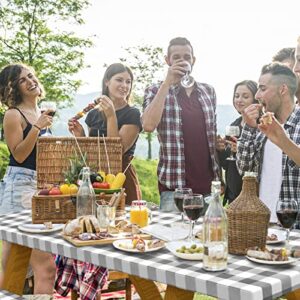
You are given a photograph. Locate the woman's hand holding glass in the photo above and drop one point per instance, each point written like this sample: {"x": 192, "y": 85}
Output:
{"x": 48, "y": 108}
{"x": 232, "y": 133}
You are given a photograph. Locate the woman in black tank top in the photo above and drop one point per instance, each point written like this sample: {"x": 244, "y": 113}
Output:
{"x": 20, "y": 91}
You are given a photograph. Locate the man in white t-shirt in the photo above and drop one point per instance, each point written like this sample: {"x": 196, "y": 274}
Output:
{"x": 278, "y": 175}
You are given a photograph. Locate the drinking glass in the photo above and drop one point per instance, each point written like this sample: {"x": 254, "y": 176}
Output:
{"x": 178, "y": 199}
{"x": 193, "y": 206}
{"x": 51, "y": 106}
{"x": 230, "y": 132}
{"x": 287, "y": 211}
{"x": 187, "y": 80}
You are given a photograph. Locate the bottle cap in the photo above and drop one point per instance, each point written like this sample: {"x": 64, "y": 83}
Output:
{"x": 138, "y": 203}
{"x": 216, "y": 187}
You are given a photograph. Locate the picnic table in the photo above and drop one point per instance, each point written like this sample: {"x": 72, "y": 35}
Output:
{"x": 243, "y": 279}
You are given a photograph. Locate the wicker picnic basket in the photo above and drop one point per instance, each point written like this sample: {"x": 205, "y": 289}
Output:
{"x": 52, "y": 159}
{"x": 248, "y": 219}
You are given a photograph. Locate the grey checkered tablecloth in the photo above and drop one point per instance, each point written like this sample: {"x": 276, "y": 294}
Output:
{"x": 242, "y": 280}
{"x": 5, "y": 295}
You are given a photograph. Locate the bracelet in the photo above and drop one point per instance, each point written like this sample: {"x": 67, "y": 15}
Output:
{"x": 37, "y": 127}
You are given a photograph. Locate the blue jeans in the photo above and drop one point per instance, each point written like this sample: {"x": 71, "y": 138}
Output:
{"x": 16, "y": 189}
{"x": 167, "y": 203}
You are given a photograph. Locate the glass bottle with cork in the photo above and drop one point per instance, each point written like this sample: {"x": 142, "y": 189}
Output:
{"x": 85, "y": 204}
{"x": 215, "y": 234}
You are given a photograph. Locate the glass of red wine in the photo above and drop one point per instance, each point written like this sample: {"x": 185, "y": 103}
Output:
{"x": 178, "y": 199}
{"x": 231, "y": 132}
{"x": 51, "y": 107}
{"x": 193, "y": 206}
{"x": 287, "y": 211}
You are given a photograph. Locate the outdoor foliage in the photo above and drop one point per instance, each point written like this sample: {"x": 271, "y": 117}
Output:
{"x": 146, "y": 170}
{"x": 147, "y": 64}
{"x": 4, "y": 157}
{"x": 31, "y": 31}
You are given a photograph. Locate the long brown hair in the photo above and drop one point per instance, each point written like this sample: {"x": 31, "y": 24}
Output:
{"x": 9, "y": 90}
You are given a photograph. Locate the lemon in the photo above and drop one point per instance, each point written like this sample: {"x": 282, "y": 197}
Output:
{"x": 65, "y": 189}
{"x": 73, "y": 189}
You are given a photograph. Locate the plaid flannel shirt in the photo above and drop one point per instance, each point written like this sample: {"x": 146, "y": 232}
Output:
{"x": 171, "y": 166}
{"x": 85, "y": 278}
{"x": 250, "y": 157}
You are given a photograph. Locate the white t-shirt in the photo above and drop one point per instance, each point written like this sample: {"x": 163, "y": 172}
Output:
{"x": 271, "y": 178}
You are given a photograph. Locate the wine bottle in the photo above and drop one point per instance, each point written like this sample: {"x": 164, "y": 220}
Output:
{"x": 86, "y": 197}
{"x": 215, "y": 234}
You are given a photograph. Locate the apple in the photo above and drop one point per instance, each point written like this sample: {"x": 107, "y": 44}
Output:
{"x": 55, "y": 191}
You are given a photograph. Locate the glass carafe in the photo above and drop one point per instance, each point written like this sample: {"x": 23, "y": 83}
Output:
{"x": 86, "y": 197}
{"x": 215, "y": 234}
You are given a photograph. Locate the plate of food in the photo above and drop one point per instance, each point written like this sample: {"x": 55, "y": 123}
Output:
{"x": 275, "y": 236}
{"x": 138, "y": 245}
{"x": 106, "y": 191}
{"x": 186, "y": 250}
{"x": 40, "y": 228}
{"x": 270, "y": 257}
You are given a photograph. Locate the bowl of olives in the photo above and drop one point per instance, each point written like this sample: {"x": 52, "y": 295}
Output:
{"x": 186, "y": 250}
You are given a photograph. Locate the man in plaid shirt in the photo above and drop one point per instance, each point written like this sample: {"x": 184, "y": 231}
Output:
{"x": 185, "y": 120}
{"x": 278, "y": 175}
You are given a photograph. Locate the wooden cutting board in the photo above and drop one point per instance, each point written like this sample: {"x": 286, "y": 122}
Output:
{"x": 79, "y": 243}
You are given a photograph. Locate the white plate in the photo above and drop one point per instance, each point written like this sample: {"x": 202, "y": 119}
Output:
{"x": 281, "y": 235}
{"x": 39, "y": 228}
{"x": 129, "y": 242}
{"x": 173, "y": 246}
{"x": 271, "y": 262}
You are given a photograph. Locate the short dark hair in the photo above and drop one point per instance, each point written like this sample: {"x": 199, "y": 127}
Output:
{"x": 113, "y": 70}
{"x": 282, "y": 75}
{"x": 9, "y": 90}
{"x": 179, "y": 41}
{"x": 283, "y": 54}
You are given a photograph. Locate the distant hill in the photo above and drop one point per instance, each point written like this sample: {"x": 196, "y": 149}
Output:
{"x": 225, "y": 115}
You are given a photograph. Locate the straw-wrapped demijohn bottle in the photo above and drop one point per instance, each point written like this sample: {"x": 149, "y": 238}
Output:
{"x": 248, "y": 218}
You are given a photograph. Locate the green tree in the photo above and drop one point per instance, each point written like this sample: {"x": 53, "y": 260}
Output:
{"x": 30, "y": 32}
{"x": 146, "y": 62}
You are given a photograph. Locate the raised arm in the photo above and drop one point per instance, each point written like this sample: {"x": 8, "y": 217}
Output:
{"x": 276, "y": 134}
{"x": 154, "y": 103}
{"x": 21, "y": 148}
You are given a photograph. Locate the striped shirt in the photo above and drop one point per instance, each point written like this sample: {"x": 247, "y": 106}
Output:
{"x": 171, "y": 166}
{"x": 250, "y": 157}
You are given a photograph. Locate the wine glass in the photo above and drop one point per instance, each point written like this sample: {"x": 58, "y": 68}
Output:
{"x": 193, "y": 206}
{"x": 51, "y": 106}
{"x": 187, "y": 81}
{"x": 287, "y": 211}
{"x": 230, "y": 132}
{"x": 178, "y": 199}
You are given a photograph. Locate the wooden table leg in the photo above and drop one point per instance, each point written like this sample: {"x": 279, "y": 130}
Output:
{"x": 146, "y": 289}
{"x": 16, "y": 269}
{"x": 173, "y": 292}
{"x": 295, "y": 295}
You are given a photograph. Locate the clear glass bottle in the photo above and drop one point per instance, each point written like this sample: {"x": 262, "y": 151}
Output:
{"x": 86, "y": 197}
{"x": 215, "y": 233}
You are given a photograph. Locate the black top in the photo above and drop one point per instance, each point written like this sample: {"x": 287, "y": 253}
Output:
{"x": 127, "y": 115}
{"x": 30, "y": 161}
{"x": 232, "y": 176}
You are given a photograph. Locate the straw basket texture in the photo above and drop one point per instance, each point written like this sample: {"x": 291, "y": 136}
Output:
{"x": 248, "y": 219}
{"x": 53, "y": 155}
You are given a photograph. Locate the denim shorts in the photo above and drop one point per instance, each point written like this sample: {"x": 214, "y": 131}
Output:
{"x": 16, "y": 189}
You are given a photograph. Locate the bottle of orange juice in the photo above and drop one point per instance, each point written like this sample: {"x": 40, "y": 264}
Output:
{"x": 139, "y": 213}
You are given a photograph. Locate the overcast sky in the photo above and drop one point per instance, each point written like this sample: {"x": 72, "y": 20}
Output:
{"x": 232, "y": 39}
